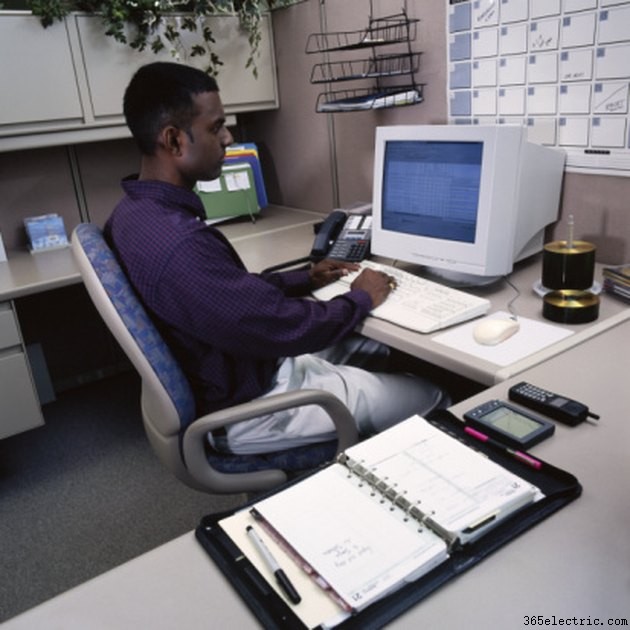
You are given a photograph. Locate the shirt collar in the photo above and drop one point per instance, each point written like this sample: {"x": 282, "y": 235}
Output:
{"x": 165, "y": 193}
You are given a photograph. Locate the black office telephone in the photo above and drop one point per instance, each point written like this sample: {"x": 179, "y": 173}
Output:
{"x": 343, "y": 236}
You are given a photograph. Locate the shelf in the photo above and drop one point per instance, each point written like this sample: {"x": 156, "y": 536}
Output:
{"x": 392, "y": 74}
{"x": 393, "y": 29}
{"x": 374, "y": 67}
{"x": 362, "y": 99}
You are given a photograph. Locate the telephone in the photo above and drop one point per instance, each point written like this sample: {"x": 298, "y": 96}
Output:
{"x": 343, "y": 236}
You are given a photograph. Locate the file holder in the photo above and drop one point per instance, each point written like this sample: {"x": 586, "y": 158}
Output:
{"x": 233, "y": 194}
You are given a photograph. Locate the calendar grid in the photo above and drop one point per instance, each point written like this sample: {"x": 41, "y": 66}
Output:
{"x": 559, "y": 67}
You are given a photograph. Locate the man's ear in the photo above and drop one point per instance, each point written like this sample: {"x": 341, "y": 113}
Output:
{"x": 170, "y": 140}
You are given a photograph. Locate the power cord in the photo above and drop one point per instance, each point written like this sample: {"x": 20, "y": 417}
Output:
{"x": 517, "y": 291}
{"x": 288, "y": 263}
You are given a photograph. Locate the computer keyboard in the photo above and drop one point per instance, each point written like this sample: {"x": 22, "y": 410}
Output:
{"x": 418, "y": 304}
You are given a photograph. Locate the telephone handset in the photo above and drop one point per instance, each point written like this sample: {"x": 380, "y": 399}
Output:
{"x": 343, "y": 237}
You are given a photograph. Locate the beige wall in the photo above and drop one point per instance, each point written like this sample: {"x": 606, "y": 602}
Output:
{"x": 297, "y": 138}
{"x": 312, "y": 161}
{"x": 81, "y": 183}
{"x": 34, "y": 183}
{"x": 314, "y": 154}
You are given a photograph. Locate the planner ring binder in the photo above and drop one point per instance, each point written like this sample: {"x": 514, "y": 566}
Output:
{"x": 397, "y": 499}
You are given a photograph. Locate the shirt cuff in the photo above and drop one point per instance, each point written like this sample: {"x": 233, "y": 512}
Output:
{"x": 361, "y": 298}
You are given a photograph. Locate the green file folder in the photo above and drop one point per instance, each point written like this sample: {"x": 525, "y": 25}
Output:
{"x": 233, "y": 194}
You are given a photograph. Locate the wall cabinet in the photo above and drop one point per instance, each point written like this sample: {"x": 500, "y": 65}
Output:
{"x": 65, "y": 83}
{"x": 19, "y": 409}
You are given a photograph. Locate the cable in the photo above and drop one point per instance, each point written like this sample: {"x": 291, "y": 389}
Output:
{"x": 288, "y": 263}
{"x": 511, "y": 302}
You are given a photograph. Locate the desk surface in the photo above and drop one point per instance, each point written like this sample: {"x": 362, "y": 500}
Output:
{"x": 528, "y": 304}
{"x": 575, "y": 564}
{"x": 24, "y": 273}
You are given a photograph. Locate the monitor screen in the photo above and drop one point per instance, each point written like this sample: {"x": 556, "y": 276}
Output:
{"x": 432, "y": 188}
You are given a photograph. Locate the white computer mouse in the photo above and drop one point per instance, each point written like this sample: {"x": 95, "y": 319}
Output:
{"x": 490, "y": 332}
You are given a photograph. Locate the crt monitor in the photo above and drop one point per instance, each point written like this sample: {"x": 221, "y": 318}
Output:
{"x": 466, "y": 201}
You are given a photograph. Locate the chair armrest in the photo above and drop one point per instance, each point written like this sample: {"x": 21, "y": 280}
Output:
{"x": 194, "y": 440}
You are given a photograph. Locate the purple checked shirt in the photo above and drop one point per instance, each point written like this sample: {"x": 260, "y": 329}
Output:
{"x": 227, "y": 327}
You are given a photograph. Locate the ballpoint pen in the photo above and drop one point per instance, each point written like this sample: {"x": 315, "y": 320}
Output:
{"x": 272, "y": 563}
{"x": 523, "y": 457}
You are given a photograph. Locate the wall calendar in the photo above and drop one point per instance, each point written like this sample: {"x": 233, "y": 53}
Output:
{"x": 560, "y": 67}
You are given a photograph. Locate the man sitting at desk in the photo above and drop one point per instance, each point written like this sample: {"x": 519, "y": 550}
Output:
{"x": 239, "y": 335}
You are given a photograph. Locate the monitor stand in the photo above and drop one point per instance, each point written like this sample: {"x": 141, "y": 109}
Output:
{"x": 459, "y": 279}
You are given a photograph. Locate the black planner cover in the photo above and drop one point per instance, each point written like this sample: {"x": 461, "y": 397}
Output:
{"x": 558, "y": 486}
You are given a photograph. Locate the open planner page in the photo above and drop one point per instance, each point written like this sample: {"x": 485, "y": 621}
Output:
{"x": 351, "y": 543}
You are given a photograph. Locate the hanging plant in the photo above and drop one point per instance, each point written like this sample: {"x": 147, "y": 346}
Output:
{"x": 161, "y": 24}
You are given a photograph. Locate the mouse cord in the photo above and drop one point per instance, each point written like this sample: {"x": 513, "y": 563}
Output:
{"x": 510, "y": 306}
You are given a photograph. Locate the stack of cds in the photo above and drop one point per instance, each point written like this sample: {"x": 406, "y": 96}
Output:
{"x": 617, "y": 281}
{"x": 568, "y": 269}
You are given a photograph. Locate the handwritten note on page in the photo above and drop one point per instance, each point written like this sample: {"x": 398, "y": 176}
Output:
{"x": 354, "y": 546}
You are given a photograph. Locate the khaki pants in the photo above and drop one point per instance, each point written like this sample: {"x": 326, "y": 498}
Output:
{"x": 377, "y": 399}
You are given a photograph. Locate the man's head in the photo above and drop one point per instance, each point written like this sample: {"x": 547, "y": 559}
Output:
{"x": 176, "y": 118}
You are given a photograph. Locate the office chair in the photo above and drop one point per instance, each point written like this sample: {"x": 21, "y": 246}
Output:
{"x": 178, "y": 437}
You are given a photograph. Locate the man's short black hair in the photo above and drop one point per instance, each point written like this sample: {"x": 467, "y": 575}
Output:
{"x": 160, "y": 94}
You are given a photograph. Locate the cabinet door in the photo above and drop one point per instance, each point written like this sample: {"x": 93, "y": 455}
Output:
{"x": 241, "y": 91}
{"x": 37, "y": 74}
{"x": 9, "y": 333}
{"x": 19, "y": 406}
{"x": 109, "y": 65}
{"x": 65, "y": 84}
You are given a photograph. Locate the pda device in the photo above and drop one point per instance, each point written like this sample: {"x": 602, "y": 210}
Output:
{"x": 552, "y": 405}
{"x": 508, "y": 424}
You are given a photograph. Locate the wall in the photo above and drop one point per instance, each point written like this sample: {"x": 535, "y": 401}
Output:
{"x": 304, "y": 145}
{"x": 81, "y": 183}
{"x": 313, "y": 152}
{"x": 312, "y": 161}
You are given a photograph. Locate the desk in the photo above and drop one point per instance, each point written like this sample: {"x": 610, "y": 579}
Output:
{"x": 528, "y": 304}
{"x": 278, "y": 235}
{"x": 22, "y": 275}
{"x": 575, "y": 564}
{"x": 281, "y": 234}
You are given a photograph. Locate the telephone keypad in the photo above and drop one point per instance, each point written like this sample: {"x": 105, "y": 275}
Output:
{"x": 351, "y": 251}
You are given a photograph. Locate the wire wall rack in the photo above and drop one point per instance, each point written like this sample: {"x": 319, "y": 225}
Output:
{"x": 392, "y": 73}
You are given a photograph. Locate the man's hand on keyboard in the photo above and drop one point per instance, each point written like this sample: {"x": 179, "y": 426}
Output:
{"x": 416, "y": 303}
{"x": 378, "y": 284}
{"x": 328, "y": 271}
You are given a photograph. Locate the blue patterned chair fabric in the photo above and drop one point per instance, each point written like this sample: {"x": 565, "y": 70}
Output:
{"x": 169, "y": 373}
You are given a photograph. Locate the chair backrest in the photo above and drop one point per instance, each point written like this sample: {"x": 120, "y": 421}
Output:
{"x": 167, "y": 399}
